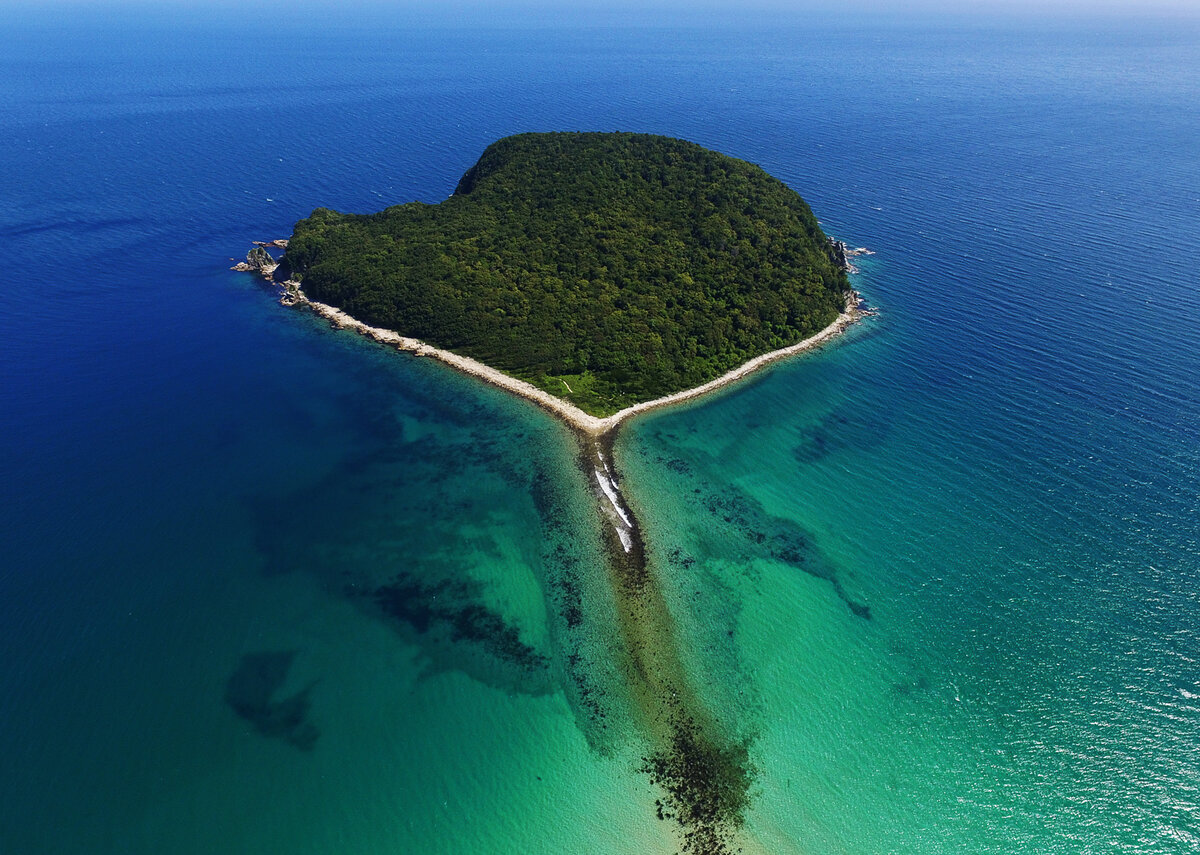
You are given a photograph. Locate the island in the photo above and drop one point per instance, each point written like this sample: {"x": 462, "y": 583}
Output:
{"x": 606, "y": 269}
{"x": 599, "y": 275}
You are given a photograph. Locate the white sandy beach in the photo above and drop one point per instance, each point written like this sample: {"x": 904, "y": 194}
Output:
{"x": 572, "y": 415}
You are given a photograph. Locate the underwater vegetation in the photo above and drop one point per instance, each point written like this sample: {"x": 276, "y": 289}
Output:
{"x": 706, "y": 785}
{"x": 251, "y": 691}
{"x": 452, "y": 607}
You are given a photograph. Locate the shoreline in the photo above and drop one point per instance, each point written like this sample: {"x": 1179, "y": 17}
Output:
{"x": 586, "y": 424}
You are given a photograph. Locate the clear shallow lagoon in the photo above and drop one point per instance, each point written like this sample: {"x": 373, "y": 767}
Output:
{"x": 201, "y": 490}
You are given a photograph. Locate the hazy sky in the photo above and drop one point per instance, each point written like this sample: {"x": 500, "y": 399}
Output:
{"x": 635, "y": 10}
{"x": 890, "y": 7}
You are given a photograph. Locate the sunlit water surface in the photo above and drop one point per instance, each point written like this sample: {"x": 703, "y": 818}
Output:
{"x": 267, "y": 587}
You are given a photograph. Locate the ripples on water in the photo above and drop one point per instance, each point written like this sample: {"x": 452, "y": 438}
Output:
{"x": 1003, "y": 466}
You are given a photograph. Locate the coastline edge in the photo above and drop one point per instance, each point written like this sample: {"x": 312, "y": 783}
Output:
{"x": 576, "y": 418}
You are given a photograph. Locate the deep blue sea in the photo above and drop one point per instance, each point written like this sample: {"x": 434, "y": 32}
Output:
{"x": 267, "y": 587}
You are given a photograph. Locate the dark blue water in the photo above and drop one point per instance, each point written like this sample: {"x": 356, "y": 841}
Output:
{"x": 196, "y": 485}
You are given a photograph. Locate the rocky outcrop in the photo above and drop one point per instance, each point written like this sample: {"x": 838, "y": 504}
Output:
{"x": 841, "y": 254}
{"x": 837, "y": 252}
{"x": 259, "y": 261}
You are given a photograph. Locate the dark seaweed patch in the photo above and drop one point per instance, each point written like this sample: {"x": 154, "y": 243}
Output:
{"x": 706, "y": 784}
{"x": 567, "y": 584}
{"x": 782, "y": 539}
{"x": 451, "y": 606}
{"x": 817, "y": 444}
{"x": 844, "y": 428}
{"x": 579, "y": 630}
{"x": 251, "y": 688}
{"x": 862, "y": 610}
{"x": 588, "y": 695}
{"x": 676, "y": 465}
{"x": 679, "y": 558}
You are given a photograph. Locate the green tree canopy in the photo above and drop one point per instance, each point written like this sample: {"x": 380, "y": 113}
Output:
{"x": 605, "y": 268}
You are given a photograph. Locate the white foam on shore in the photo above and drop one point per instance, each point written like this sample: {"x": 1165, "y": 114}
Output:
{"x": 610, "y": 491}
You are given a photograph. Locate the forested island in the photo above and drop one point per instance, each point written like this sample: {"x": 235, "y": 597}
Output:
{"x": 606, "y": 269}
{"x": 599, "y": 274}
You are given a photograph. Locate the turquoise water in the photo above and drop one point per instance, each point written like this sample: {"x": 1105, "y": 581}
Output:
{"x": 267, "y": 586}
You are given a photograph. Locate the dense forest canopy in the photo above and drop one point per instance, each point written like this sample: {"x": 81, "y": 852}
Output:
{"x": 605, "y": 268}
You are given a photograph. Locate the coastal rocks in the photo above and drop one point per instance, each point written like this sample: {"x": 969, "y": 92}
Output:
{"x": 865, "y": 310}
{"x": 258, "y": 260}
{"x": 837, "y": 251}
{"x": 841, "y": 254}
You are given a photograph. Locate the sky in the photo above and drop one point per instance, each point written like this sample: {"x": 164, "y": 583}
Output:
{"x": 672, "y": 8}
{"x": 81, "y": 15}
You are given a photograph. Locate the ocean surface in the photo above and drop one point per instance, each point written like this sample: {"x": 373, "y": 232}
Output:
{"x": 266, "y": 587}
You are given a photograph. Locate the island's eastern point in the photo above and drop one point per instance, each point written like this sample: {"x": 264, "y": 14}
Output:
{"x": 600, "y": 276}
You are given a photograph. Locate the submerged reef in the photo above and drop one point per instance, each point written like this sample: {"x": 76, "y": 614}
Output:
{"x": 706, "y": 784}
{"x": 453, "y": 607}
{"x": 704, "y": 773}
{"x": 251, "y": 689}
{"x": 759, "y": 533}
